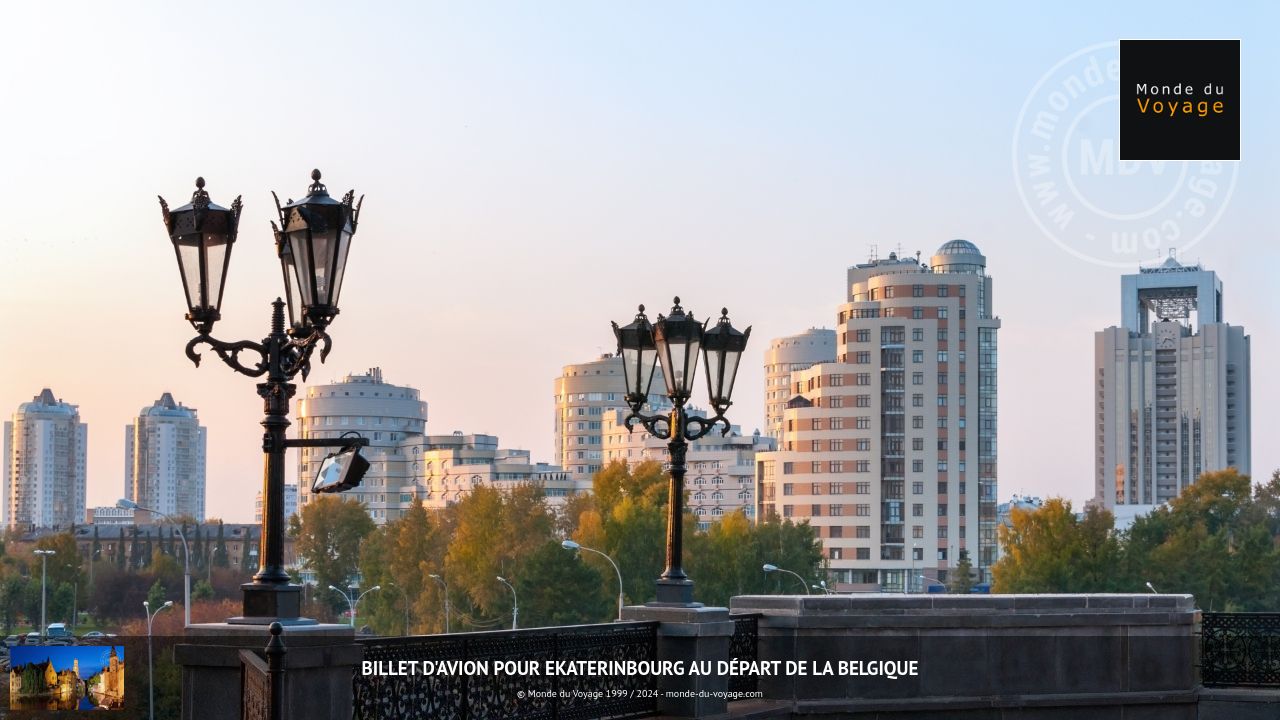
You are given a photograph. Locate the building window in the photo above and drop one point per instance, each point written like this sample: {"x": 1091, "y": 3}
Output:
{"x": 917, "y": 313}
{"x": 942, "y": 290}
{"x": 917, "y": 466}
{"x": 835, "y": 510}
{"x": 917, "y": 488}
{"x": 862, "y": 531}
{"x": 862, "y": 423}
{"x": 862, "y": 510}
{"x": 862, "y": 379}
{"x": 862, "y": 444}
{"x": 862, "y": 336}
{"x": 917, "y": 378}
{"x": 917, "y": 532}
{"x": 917, "y": 510}
{"x": 835, "y": 401}
{"x": 942, "y": 509}
{"x": 917, "y": 356}
{"x": 862, "y": 401}
{"x": 917, "y": 291}
{"x": 862, "y": 488}
{"x": 862, "y": 466}
{"x": 835, "y": 488}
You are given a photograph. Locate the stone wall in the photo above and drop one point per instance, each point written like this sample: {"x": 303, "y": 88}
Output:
{"x": 983, "y": 656}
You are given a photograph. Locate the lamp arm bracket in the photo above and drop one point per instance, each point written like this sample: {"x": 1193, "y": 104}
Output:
{"x": 296, "y": 355}
{"x": 229, "y": 352}
{"x": 697, "y": 427}
{"x": 658, "y": 426}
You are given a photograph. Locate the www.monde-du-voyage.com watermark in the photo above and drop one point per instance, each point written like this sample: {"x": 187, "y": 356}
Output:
{"x": 1073, "y": 184}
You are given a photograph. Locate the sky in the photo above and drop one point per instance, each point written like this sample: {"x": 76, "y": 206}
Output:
{"x": 532, "y": 171}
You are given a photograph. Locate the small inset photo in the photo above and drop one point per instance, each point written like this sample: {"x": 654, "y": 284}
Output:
{"x": 87, "y": 677}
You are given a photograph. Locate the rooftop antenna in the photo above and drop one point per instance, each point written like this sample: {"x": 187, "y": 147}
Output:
{"x": 874, "y": 252}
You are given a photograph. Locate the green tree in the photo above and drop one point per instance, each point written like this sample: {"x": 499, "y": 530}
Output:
{"x": 557, "y": 588}
{"x": 961, "y": 580}
{"x": 327, "y": 534}
{"x": 202, "y": 590}
{"x": 156, "y": 595}
{"x": 220, "y": 558}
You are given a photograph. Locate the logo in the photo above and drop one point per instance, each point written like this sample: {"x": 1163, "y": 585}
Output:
{"x": 1072, "y": 181}
{"x": 1180, "y": 99}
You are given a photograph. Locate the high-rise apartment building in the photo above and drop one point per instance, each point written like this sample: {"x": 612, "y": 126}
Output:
{"x": 785, "y": 356}
{"x": 290, "y": 502}
{"x": 584, "y": 393}
{"x": 45, "y": 446}
{"x": 445, "y": 468}
{"x": 721, "y": 469}
{"x": 164, "y": 459}
{"x": 890, "y": 450}
{"x": 1172, "y": 390}
{"x": 386, "y": 414}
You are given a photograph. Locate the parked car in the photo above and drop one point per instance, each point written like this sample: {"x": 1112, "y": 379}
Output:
{"x": 32, "y": 638}
{"x": 58, "y": 630}
{"x": 93, "y": 634}
{"x": 12, "y": 640}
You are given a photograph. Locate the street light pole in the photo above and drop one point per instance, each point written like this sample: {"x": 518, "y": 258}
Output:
{"x": 769, "y": 567}
{"x": 571, "y": 545}
{"x": 515, "y": 603}
{"x": 151, "y": 680}
{"x": 353, "y": 604}
{"x": 127, "y": 504}
{"x": 313, "y": 241}
{"x": 444, "y": 589}
{"x": 44, "y": 558}
{"x": 677, "y": 341}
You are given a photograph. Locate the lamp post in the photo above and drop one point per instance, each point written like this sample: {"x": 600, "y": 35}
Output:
{"x": 769, "y": 567}
{"x": 444, "y": 589}
{"x": 926, "y": 583}
{"x": 128, "y": 504}
{"x": 151, "y": 680}
{"x": 44, "y": 562}
{"x": 313, "y": 241}
{"x": 571, "y": 545}
{"x": 515, "y": 603}
{"x": 911, "y": 579}
{"x": 676, "y": 341}
{"x": 75, "y": 596}
{"x": 405, "y": 595}
{"x": 1152, "y": 588}
{"x": 354, "y": 604}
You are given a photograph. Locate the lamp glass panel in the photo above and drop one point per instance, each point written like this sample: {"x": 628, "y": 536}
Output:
{"x": 690, "y": 365}
{"x": 217, "y": 250}
{"x": 299, "y": 245}
{"x": 631, "y": 369}
{"x": 189, "y": 258}
{"x": 323, "y": 247}
{"x": 340, "y": 269}
{"x": 714, "y": 376}
{"x": 731, "y": 360}
{"x": 648, "y": 363}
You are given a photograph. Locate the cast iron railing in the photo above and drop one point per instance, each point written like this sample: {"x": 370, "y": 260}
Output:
{"x": 460, "y": 695}
{"x": 262, "y": 680}
{"x": 744, "y": 646}
{"x": 1240, "y": 649}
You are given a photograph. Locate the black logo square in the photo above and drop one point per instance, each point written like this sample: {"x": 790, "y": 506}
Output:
{"x": 1179, "y": 99}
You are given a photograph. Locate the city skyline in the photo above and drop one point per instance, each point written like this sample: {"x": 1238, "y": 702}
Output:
{"x": 524, "y": 167}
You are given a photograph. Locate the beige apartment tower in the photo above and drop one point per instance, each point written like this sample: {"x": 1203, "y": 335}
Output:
{"x": 45, "y": 447}
{"x": 164, "y": 459}
{"x": 889, "y": 451}
{"x": 785, "y": 356}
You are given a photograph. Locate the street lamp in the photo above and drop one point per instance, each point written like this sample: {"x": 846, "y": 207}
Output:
{"x": 822, "y": 585}
{"x": 444, "y": 589}
{"x": 151, "y": 683}
{"x": 515, "y": 603}
{"x": 128, "y": 504}
{"x": 406, "y": 606}
{"x": 313, "y": 241}
{"x": 769, "y": 567}
{"x": 354, "y": 604}
{"x": 571, "y": 545}
{"x": 44, "y": 562}
{"x": 911, "y": 579}
{"x": 1150, "y": 587}
{"x": 928, "y": 584}
{"x": 676, "y": 341}
{"x": 75, "y": 595}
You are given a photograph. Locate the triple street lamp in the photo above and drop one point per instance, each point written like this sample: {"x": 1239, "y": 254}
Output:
{"x": 676, "y": 341}
{"x": 313, "y": 241}
{"x": 353, "y": 601}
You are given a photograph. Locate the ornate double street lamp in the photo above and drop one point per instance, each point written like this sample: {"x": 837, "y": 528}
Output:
{"x": 312, "y": 243}
{"x": 676, "y": 341}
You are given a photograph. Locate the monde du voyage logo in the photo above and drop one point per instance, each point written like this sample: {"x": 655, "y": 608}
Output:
{"x": 1180, "y": 100}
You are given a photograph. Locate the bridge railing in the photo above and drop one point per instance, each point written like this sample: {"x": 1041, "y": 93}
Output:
{"x": 1240, "y": 649}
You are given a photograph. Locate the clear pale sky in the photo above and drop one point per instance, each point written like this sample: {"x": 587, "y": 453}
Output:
{"x": 534, "y": 170}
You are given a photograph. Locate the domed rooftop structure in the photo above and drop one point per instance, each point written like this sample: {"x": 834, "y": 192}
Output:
{"x": 959, "y": 256}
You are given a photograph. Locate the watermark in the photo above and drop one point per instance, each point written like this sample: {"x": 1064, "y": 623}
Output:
{"x": 1073, "y": 184}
